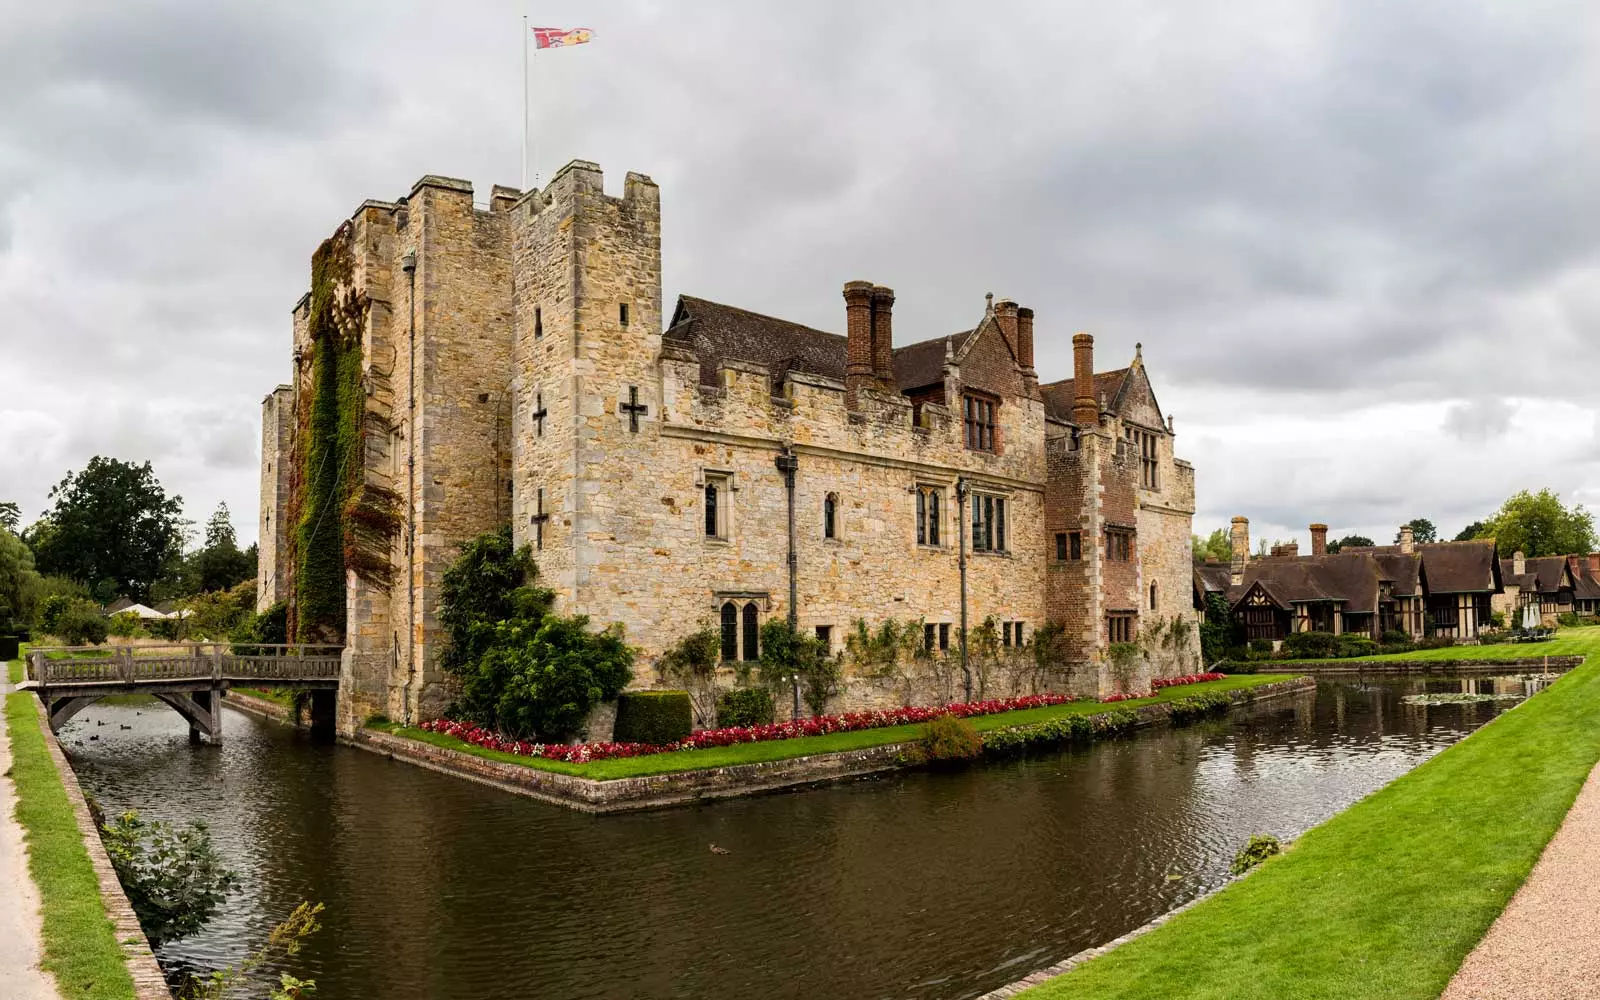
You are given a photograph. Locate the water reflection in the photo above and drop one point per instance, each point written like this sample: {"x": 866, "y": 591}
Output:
{"x": 925, "y": 885}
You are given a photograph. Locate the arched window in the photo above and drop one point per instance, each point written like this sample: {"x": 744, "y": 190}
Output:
{"x": 752, "y": 631}
{"x": 730, "y": 631}
{"x": 711, "y": 511}
{"x": 1152, "y": 597}
{"x": 830, "y": 516}
{"x": 933, "y": 517}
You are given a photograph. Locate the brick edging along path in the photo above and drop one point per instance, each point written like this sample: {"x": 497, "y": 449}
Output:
{"x": 148, "y": 981}
{"x": 684, "y": 787}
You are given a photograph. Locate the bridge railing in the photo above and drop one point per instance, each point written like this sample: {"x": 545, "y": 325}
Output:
{"x": 53, "y": 666}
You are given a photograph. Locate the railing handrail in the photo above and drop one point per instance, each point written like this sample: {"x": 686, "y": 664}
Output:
{"x": 215, "y": 662}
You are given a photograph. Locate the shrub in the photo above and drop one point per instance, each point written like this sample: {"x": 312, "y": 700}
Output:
{"x": 49, "y": 612}
{"x": 1354, "y": 644}
{"x": 660, "y": 718}
{"x": 745, "y": 707}
{"x": 1310, "y": 646}
{"x": 1261, "y": 847}
{"x": 173, "y": 878}
{"x": 125, "y": 624}
{"x": 1020, "y": 739}
{"x": 948, "y": 738}
{"x": 490, "y": 582}
{"x": 1261, "y": 646}
{"x": 81, "y": 624}
{"x": 787, "y": 652}
{"x": 542, "y": 678}
{"x": 1196, "y": 706}
{"x": 1434, "y": 642}
{"x": 1396, "y": 637}
{"x": 1568, "y": 619}
{"x": 1497, "y": 619}
{"x": 691, "y": 663}
{"x": 268, "y": 628}
{"x": 1236, "y": 666}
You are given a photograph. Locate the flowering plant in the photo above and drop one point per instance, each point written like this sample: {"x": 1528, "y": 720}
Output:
{"x": 1164, "y": 682}
{"x": 817, "y": 725}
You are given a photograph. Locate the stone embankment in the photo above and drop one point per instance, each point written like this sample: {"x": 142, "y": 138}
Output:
{"x": 685, "y": 787}
{"x": 1418, "y": 666}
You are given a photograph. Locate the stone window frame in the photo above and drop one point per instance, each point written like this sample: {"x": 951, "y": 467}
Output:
{"x": 980, "y": 422}
{"x": 831, "y": 516}
{"x": 1155, "y": 594}
{"x": 1120, "y": 626}
{"x": 1149, "y": 444}
{"x": 931, "y": 508}
{"x": 727, "y": 485}
{"x": 825, "y": 633}
{"x": 944, "y": 637}
{"x": 994, "y": 508}
{"x": 1121, "y": 543}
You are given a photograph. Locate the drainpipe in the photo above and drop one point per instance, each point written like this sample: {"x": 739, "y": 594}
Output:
{"x": 408, "y": 263}
{"x": 961, "y": 546}
{"x": 788, "y": 463}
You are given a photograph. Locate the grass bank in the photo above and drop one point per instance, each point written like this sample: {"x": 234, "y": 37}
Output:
{"x": 1388, "y": 897}
{"x": 805, "y": 746}
{"x": 1567, "y": 642}
{"x": 80, "y": 942}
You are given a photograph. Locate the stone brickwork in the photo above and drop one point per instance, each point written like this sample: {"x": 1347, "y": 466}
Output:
{"x": 277, "y": 428}
{"x": 518, "y": 372}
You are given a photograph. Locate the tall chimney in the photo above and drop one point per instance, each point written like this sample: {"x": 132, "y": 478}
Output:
{"x": 1005, "y": 314}
{"x": 1025, "y": 338}
{"x": 858, "y": 339}
{"x": 1408, "y": 543}
{"x": 1594, "y": 562}
{"x": 882, "y": 338}
{"x": 1085, "y": 410}
{"x": 1519, "y": 564}
{"x": 1240, "y": 536}
{"x": 1319, "y": 539}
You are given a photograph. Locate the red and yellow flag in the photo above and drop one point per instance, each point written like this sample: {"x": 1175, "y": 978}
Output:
{"x": 555, "y": 38}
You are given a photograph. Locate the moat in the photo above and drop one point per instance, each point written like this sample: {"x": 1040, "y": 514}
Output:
{"x": 918, "y": 884}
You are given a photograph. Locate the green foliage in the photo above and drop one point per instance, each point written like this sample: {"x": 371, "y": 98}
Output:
{"x": 1310, "y": 646}
{"x": 125, "y": 625}
{"x": 491, "y": 581}
{"x": 1124, "y": 658}
{"x": 541, "y": 678}
{"x": 947, "y": 738}
{"x": 1260, "y": 847}
{"x": 745, "y": 707}
{"x": 789, "y": 656}
{"x": 10, "y": 517}
{"x": 269, "y": 627}
{"x": 657, "y": 717}
{"x": 1199, "y": 705}
{"x": 79, "y": 623}
{"x": 1497, "y": 619}
{"x": 1396, "y": 637}
{"x": 1538, "y": 524}
{"x": 173, "y": 878}
{"x": 1471, "y": 531}
{"x": 1350, "y": 541}
{"x": 1219, "y": 631}
{"x": 220, "y": 565}
{"x": 1423, "y": 531}
{"x": 217, "y": 615}
{"x": 282, "y": 943}
{"x": 1021, "y": 739}
{"x": 20, "y": 583}
{"x": 110, "y": 525}
{"x": 1568, "y": 619}
{"x": 1352, "y": 645}
{"x": 691, "y": 663}
{"x": 1215, "y": 547}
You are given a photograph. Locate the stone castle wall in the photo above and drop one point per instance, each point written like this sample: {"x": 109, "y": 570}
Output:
{"x": 277, "y": 452}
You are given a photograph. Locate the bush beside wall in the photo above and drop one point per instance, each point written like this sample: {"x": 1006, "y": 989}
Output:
{"x": 657, "y": 717}
{"x": 745, "y": 707}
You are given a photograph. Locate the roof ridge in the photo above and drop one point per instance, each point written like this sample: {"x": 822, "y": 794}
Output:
{"x": 752, "y": 312}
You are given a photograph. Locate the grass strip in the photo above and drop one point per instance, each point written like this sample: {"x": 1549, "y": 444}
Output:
{"x": 284, "y": 699}
{"x": 80, "y": 942}
{"x": 14, "y": 671}
{"x": 805, "y": 746}
{"x": 1387, "y": 898}
{"x": 1567, "y": 642}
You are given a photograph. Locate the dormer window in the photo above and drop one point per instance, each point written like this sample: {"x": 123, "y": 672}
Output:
{"x": 979, "y": 420}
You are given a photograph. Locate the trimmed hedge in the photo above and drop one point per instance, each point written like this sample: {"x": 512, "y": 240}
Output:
{"x": 745, "y": 707}
{"x": 657, "y": 717}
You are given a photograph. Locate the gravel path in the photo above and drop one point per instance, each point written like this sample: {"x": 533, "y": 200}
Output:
{"x": 1546, "y": 945}
{"x": 20, "y": 978}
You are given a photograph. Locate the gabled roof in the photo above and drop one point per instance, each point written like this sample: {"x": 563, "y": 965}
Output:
{"x": 718, "y": 333}
{"x": 1351, "y": 579}
{"x": 1460, "y": 567}
{"x": 1212, "y": 578}
{"x": 922, "y": 364}
{"x": 1058, "y": 396}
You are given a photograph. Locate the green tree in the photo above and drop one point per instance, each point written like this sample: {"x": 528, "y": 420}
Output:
{"x": 1471, "y": 531}
{"x": 1217, "y": 547}
{"x": 550, "y": 674}
{"x": 174, "y": 878}
{"x": 111, "y": 524}
{"x": 20, "y": 583}
{"x": 10, "y": 517}
{"x": 491, "y": 581}
{"x": 790, "y": 657}
{"x": 220, "y": 564}
{"x": 1350, "y": 541}
{"x": 1538, "y": 524}
{"x": 1423, "y": 531}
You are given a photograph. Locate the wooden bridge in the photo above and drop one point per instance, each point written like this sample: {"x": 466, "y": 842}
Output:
{"x": 190, "y": 677}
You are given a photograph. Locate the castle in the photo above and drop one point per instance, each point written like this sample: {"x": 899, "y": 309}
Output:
{"x": 458, "y": 367}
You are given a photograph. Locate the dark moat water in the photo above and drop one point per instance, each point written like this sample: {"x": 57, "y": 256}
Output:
{"x": 921, "y": 885}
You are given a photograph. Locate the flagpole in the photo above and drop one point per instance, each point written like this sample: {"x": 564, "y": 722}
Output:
{"x": 524, "y": 102}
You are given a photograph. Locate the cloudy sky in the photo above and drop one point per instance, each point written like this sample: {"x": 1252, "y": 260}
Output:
{"x": 1359, "y": 240}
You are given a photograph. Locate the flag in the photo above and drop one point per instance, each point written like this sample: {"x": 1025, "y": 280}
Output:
{"x": 555, "y": 38}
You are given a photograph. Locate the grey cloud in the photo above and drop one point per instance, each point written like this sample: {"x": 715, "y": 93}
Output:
{"x": 1479, "y": 419}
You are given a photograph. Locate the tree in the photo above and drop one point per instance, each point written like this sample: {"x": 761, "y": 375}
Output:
{"x": 1217, "y": 547}
{"x": 220, "y": 565}
{"x": 1350, "y": 541}
{"x": 1422, "y": 531}
{"x": 110, "y": 526}
{"x": 1538, "y": 524}
{"x": 10, "y": 517}
{"x": 20, "y": 584}
{"x": 1471, "y": 531}
{"x": 491, "y": 581}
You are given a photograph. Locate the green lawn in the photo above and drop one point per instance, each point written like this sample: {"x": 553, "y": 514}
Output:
{"x": 14, "y": 671}
{"x": 1388, "y": 897}
{"x": 1567, "y": 642}
{"x": 278, "y": 697}
{"x": 805, "y": 746}
{"x": 80, "y": 942}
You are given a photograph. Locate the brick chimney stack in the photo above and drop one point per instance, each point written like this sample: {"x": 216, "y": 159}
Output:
{"x": 1319, "y": 539}
{"x": 1025, "y": 338}
{"x": 1408, "y": 543}
{"x": 1290, "y": 549}
{"x": 1240, "y": 536}
{"x": 1005, "y": 314}
{"x": 1085, "y": 409}
{"x": 858, "y": 339}
{"x": 882, "y": 337}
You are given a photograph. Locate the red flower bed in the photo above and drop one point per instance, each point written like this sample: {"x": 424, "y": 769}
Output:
{"x": 1166, "y": 682}
{"x": 817, "y": 725}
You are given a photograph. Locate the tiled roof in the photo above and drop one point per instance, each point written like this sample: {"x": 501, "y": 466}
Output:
{"x": 1459, "y": 567}
{"x": 1058, "y": 396}
{"x": 1213, "y": 578}
{"x": 918, "y": 365}
{"x": 718, "y": 333}
{"x": 1351, "y": 578}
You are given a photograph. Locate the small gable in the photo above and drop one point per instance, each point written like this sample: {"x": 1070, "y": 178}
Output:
{"x": 987, "y": 362}
{"x": 1136, "y": 400}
